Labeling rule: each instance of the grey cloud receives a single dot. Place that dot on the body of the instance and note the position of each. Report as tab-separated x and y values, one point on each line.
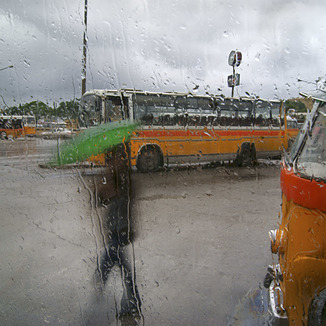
159	45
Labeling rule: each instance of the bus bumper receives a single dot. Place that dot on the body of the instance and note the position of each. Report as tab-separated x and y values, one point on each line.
275	297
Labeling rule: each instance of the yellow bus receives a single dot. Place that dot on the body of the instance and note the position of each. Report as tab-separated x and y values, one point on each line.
14	126
182	128
297	279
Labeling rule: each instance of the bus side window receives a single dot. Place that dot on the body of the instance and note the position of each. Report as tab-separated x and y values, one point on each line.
147	119
8	124
169	119
181	119
17	124
193	120
211	119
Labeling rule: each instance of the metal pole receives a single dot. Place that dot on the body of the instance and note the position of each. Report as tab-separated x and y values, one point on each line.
233	74
84	50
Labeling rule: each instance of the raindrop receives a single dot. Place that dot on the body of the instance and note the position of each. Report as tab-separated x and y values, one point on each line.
27	63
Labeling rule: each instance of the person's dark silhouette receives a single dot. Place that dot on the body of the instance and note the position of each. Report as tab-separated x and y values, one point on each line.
114	194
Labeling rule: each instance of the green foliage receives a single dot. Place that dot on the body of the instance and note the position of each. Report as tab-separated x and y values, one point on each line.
68	109
296	105
65	110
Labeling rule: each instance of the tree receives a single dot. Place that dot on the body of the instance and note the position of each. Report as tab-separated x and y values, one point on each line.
38	109
65	110
68	109
298	106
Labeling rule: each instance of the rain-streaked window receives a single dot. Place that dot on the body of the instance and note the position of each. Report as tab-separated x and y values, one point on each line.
150	168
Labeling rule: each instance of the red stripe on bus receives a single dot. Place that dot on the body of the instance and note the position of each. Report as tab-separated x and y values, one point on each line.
208	133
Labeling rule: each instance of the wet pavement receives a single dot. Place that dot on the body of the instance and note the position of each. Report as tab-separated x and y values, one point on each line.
95	246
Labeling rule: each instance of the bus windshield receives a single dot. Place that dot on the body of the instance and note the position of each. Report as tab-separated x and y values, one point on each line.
96	109
29	121
90	111
312	159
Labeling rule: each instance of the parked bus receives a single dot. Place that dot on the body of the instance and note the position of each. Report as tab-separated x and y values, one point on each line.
297	279
179	128
14	126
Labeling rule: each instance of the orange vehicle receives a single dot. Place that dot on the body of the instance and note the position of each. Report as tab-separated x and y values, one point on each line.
297	282
29	125
179	128
15	126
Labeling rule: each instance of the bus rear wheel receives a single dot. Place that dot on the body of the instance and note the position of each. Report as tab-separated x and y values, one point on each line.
247	155
3	135
149	159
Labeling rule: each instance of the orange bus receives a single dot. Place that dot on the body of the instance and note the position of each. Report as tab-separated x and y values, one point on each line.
297	279
14	126
180	128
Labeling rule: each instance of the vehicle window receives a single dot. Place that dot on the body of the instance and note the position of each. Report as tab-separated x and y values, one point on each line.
113	109
312	160
90	113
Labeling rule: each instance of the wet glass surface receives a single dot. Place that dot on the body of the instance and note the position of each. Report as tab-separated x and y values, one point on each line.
312	159
110	244
100	243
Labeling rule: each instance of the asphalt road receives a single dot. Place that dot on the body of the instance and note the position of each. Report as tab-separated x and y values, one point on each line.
196	243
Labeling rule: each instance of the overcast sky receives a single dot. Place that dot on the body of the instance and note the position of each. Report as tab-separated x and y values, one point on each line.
159	45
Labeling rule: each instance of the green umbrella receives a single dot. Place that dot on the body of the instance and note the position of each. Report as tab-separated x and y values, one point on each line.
93	141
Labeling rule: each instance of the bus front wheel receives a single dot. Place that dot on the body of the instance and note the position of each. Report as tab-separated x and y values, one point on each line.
317	311
149	159
3	135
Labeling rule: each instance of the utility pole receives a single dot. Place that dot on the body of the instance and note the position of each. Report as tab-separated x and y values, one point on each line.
84	50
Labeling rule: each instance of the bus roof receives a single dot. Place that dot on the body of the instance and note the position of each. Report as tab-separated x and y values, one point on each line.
130	92
126	92
316	95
